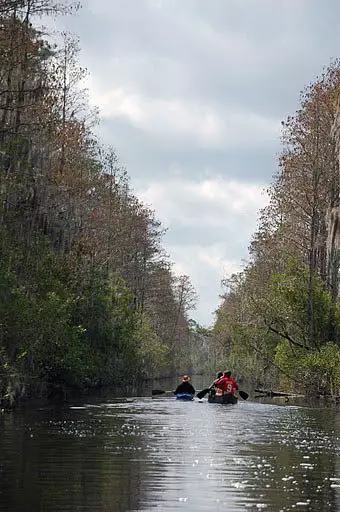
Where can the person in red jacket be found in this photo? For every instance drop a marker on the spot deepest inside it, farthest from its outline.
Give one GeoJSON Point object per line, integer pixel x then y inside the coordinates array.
{"type": "Point", "coordinates": [227, 384]}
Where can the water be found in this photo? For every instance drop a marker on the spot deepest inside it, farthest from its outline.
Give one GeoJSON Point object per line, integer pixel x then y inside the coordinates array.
{"type": "Point", "coordinates": [160, 454]}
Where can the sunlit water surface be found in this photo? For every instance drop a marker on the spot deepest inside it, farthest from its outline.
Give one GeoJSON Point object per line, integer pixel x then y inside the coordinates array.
{"type": "Point", "coordinates": [144, 454]}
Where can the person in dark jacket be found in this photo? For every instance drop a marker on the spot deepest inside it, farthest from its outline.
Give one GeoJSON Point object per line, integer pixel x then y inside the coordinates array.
{"type": "Point", "coordinates": [185, 386]}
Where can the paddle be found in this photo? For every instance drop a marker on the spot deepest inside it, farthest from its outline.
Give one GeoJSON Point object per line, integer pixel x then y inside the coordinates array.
{"type": "Point", "coordinates": [160, 392]}
{"type": "Point", "coordinates": [201, 394]}
{"type": "Point", "coordinates": [243, 395]}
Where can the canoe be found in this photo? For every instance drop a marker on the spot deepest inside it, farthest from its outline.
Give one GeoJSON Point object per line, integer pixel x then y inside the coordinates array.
{"type": "Point", "coordinates": [184, 396]}
{"type": "Point", "coordinates": [228, 398]}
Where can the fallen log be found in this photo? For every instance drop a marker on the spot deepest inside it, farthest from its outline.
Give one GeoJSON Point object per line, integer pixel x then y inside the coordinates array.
{"type": "Point", "coordinates": [270, 393]}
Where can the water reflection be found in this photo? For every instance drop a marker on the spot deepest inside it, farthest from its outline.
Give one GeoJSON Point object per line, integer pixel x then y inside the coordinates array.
{"type": "Point", "coordinates": [148, 454]}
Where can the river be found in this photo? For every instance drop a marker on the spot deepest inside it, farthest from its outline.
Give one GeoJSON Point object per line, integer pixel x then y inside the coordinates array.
{"type": "Point", "coordinates": [144, 454]}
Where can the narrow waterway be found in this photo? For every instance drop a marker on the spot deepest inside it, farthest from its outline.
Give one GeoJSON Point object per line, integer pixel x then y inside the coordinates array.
{"type": "Point", "coordinates": [144, 454]}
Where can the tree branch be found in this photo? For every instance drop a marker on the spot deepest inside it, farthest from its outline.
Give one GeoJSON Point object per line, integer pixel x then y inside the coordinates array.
{"type": "Point", "coordinates": [286, 337]}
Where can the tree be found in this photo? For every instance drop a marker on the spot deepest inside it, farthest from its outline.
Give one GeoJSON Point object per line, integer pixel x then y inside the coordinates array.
{"type": "Point", "coordinates": [87, 294]}
{"type": "Point", "coordinates": [288, 293]}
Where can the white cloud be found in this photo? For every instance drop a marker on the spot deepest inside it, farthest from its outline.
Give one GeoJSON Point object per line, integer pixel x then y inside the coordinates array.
{"type": "Point", "coordinates": [191, 259]}
{"type": "Point", "coordinates": [192, 211]}
{"type": "Point", "coordinates": [210, 202]}
{"type": "Point", "coordinates": [173, 119]}
{"type": "Point", "coordinates": [214, 257]}
{"type": "Point", "coordinates": [206, 265]}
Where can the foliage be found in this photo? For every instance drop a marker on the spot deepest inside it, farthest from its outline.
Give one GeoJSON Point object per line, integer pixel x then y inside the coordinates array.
{"type": "Point", "coordinates": [87, 295]}
{"type": "Point", "coordinates": [278, 323]}
{"type": "Point", "coordinates": [318, 370]}
{"type": "Point", "coordinates": [151, 353]}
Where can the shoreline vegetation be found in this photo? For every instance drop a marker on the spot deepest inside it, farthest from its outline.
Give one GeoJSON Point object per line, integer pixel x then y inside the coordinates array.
{"type": "Point", "coordinates": [279, 320]}
{"type": "Point", "coordinates": [88, 295]}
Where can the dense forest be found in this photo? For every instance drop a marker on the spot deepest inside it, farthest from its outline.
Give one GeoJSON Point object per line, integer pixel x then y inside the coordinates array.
{"type": "Point", "coordinates": [279, 320]}
{"type": "Point", "coordinates": [88, 297]}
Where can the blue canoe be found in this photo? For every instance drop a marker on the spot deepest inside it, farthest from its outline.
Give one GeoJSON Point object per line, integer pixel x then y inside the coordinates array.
{"type": "Point", "coordinates": [184, 396]}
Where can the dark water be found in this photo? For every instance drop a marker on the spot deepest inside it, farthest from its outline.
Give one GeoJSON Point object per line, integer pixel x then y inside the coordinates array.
{"type": "Point", "coordinates": [148, 454]}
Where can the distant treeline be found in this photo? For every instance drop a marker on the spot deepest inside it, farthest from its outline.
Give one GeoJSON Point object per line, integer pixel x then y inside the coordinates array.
{"type": "Point", "coordinates": [87, 294]}
{"type": "Point", "coordinates": [279, 322]}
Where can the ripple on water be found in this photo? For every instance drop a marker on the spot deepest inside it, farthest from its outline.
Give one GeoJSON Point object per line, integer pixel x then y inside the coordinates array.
{"type": "Point", "coordinates": [145, 454]}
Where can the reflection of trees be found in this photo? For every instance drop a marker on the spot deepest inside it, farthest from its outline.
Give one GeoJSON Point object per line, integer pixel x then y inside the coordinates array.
{"type": "Point", "coordinates": [70, 462]}
{"type": "Point", "coordinates": [295, 461]}
{"type": "Point", "coordinates": [112, 459]}
{"type": "Point", "coordinates": [337, 459]}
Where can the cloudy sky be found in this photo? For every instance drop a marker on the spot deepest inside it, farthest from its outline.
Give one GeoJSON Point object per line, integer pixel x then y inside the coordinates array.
{"type": "Point", "coordinates": [191, 94]}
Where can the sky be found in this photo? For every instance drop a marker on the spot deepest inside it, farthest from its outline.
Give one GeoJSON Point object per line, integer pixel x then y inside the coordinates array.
{"type": "Point", "coordinates": [191, 94]}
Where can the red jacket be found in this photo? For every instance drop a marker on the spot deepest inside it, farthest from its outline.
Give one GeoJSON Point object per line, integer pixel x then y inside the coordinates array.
{"type": "Point", "coordinates": [227, 384]}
